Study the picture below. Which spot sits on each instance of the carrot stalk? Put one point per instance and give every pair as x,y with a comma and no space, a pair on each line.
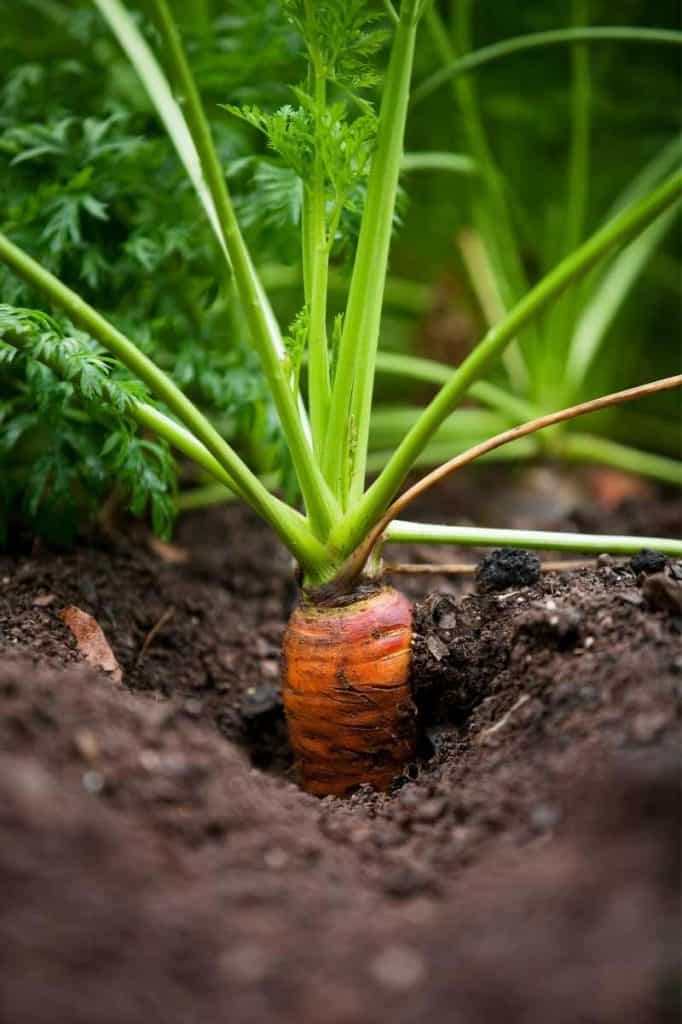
347,691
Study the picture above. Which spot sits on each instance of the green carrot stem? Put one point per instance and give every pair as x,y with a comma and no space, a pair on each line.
403,532
348,429
401,294
319,389
358,523
262,324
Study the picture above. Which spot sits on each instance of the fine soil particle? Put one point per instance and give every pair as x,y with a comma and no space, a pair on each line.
158,862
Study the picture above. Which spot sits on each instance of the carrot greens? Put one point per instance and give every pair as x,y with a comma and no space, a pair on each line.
160,219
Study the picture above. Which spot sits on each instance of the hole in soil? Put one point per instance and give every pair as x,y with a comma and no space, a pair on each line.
445,693
263,732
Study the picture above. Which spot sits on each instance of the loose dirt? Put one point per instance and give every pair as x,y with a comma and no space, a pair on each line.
159,863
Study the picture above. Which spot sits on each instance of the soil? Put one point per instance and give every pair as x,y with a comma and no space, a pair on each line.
158,861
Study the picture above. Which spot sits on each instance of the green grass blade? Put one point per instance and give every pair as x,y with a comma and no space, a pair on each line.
560,322
215,494
390,423
579,159
428,371
137,50
492,216
440,451
665,161
606,291
508,47
588,448
599,313
455,163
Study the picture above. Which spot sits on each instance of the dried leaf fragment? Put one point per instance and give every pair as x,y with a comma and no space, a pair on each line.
91,641
171,553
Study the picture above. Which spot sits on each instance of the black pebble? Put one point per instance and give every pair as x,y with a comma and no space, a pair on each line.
648,562
508,567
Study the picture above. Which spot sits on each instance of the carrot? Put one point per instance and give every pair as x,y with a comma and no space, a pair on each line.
346,690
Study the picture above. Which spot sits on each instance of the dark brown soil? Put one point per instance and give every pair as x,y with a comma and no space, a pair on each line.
158,862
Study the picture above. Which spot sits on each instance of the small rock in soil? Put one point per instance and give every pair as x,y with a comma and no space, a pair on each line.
545,817
276,858
663,593
430,810
86,745
93,781
508,567
399,968
648,725
648,562
193,707
270,668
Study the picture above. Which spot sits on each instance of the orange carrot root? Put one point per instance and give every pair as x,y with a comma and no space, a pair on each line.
346,691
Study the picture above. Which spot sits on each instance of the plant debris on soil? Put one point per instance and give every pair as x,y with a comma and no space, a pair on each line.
648,562
508,567
159,862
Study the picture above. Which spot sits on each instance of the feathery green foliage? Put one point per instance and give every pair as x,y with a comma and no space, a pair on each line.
91,182
67,432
